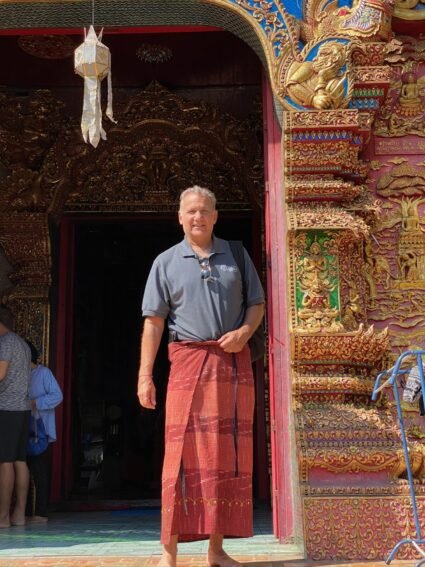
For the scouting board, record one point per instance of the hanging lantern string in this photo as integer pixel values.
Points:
(92, 13)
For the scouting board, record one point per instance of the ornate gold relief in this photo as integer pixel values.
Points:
(348, 527)
(409, 10)
(326, 217)
(26, 243)
(161, 145)
(317, 283)
(305, 188)
(321, 80)
(363, 346)
(403, 111)
(368, 20)
(325, 143)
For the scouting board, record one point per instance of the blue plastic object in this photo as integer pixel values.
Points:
(390, 378)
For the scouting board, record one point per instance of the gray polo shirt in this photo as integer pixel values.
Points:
(200, 309)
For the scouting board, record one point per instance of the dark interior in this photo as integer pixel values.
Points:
(117, 445)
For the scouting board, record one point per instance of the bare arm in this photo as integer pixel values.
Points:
(4, 365)
(151, 339)
(234, 341)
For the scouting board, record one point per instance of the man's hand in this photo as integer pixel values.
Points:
(234, 341)
(146, 393)
(151, 338)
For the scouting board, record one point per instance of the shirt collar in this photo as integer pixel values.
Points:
(218, 247)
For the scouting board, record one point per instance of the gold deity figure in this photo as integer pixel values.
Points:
(409, 102)
(314, 279)
(408, 264)
(319, 83)
(410, 214)
(353, 312)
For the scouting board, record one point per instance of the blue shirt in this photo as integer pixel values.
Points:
(200, 309)
(47, 394)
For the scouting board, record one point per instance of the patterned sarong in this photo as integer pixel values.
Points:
(207, 472)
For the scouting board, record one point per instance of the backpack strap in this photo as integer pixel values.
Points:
(236, 248)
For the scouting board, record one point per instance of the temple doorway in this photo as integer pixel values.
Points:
(117, 446)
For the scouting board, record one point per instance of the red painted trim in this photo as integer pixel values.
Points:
(62, 455)
(284, 496)
(261, 468)
(108, 30)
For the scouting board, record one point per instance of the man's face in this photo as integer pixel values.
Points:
(197, 217)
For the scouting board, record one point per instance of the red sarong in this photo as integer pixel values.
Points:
(207, 472)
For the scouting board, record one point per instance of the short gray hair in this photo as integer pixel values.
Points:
(6, 317)
(201, 191)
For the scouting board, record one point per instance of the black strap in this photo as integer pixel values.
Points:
(236, 248)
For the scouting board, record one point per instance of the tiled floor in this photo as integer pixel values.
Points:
(129, 538)
(128, 533)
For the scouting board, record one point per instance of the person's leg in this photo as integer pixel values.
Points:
(40, 472)
(169, 553)
(22, 479)
(7, 480)
(216, 554)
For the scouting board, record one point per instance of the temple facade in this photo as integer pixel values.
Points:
(308, 122)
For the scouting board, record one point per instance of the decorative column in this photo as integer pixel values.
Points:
(26, 242)
(349, 451)
(28, 127)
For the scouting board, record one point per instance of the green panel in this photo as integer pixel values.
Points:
(321, 266)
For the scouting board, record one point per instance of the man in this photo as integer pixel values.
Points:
(15, 370)
(207, 471)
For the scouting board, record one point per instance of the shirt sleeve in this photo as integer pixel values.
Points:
(6, 348)
(53, 394)
(254, 289)
(156, 298)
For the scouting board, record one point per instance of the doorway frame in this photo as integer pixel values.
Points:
(63, 461)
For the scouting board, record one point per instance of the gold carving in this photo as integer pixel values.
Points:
(363, 346)
(316, 274)
(354, 460)
(326, 217)
(353, 310)
(366, 527)
(403, 179)
(403, 112)
(370, 55)
(366, 19)
(309, 187)
(373, 75)
(320, 83)
(409, 10)
(161, 144)
(343, 119)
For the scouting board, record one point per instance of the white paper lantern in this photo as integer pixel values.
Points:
(92, 61)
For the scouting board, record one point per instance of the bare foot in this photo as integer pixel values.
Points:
(37, 519)
(167, 560)
(221, 560)
(17, 520)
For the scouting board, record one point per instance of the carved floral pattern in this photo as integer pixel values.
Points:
(364, 346)
(348, 528)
